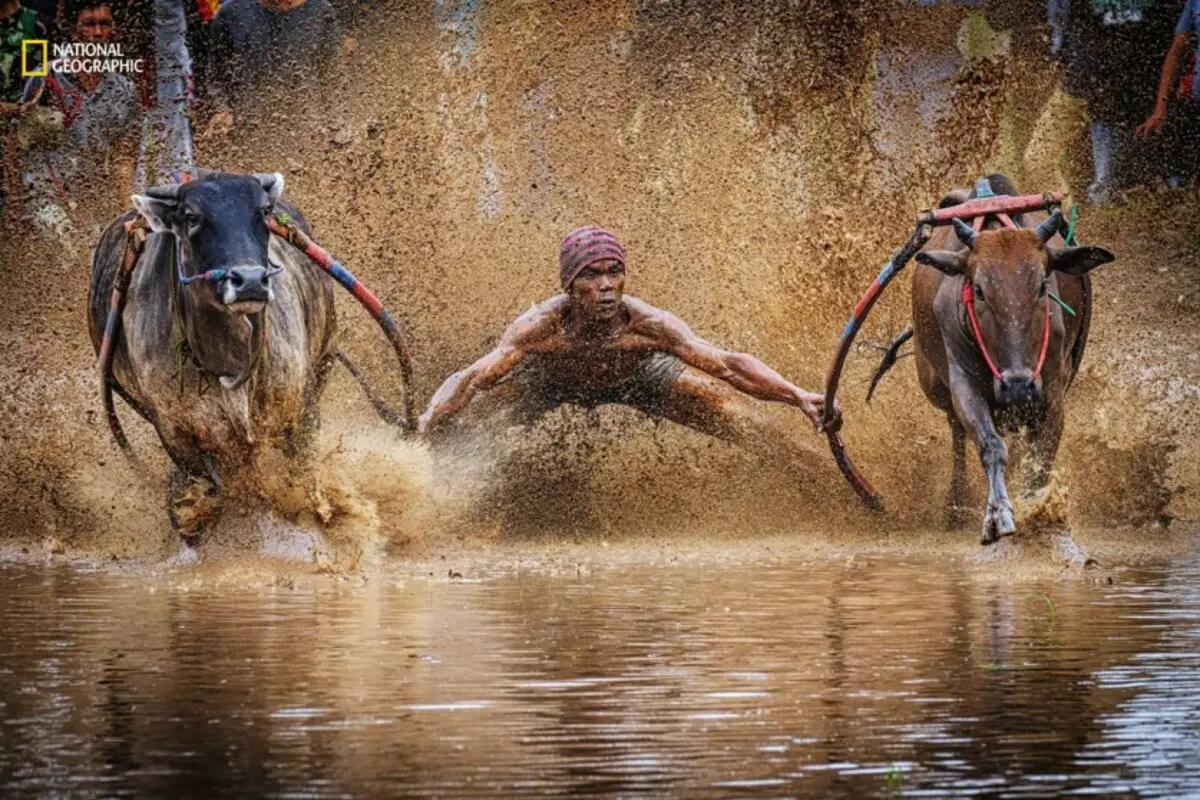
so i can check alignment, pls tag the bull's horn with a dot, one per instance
(272, 184)
(169, 191)
(1049, 227)
(966, 234)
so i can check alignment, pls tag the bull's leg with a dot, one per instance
(1043, 439)
(717, 409)
(192, 485)
(972, 410)
(956, 501)
(301, 440)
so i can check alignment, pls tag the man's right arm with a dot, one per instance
(459, 388)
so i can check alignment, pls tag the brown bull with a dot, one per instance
(1015, 371)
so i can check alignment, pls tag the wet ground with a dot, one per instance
(785, 678)
(620, 607)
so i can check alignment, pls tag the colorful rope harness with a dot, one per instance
(985, 204)
(968, 297)
(281, 224)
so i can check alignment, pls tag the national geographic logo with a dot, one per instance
(74, 57)
(39, 49)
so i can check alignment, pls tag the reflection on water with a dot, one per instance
(778, 680)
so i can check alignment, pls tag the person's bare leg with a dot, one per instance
(711, 406)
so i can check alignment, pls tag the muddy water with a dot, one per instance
(775, 680)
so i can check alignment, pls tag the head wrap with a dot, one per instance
(585, 246)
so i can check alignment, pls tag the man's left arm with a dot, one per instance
(742, 371)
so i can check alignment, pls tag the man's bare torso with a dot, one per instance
(591, 360)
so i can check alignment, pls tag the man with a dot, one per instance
(263, 51)
(593, 345)
(1186, 118)
(99, 111)
(1107, 47)
(18, 94)
(17, 23)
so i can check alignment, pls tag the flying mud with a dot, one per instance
(763, 160)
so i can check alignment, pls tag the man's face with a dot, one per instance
(95, 24)
(597, 290)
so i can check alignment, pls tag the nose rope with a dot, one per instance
(968, 296)
(213, 275)
(258, 326)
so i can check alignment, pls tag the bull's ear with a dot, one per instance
(272, 183)
(1077, 261)
(950, 262)
(157, 212)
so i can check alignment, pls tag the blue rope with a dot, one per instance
(214, 275)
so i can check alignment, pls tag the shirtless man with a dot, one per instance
(593, 345)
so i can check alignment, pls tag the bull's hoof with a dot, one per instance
(998, 522)
(191, 506)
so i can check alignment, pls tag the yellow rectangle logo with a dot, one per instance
(26, 46)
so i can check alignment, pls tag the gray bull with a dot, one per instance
(1012, 275)
(186, 358)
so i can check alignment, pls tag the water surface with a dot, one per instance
(913, 680)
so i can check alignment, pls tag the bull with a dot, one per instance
(227, 334)
(996, 349)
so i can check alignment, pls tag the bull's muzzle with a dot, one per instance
(1017, 388)
(247, 289)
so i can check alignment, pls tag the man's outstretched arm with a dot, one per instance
(453, 395)
(741, 371)
(459, 388)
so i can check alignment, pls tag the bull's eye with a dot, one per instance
(1043, 289)
(193, 220)
(979, 294)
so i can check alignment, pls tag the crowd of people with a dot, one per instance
(67, 135)
(1128, 78)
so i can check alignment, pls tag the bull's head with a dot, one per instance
(1011, 272)
(220, 222)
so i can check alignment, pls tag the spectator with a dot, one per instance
(291, 44)
(17, 94)
(1185, 115)
(1105, 45)
(98, 112)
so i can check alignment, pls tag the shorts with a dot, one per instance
(647, 387)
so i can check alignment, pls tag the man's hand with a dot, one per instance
(1154, 123)
(11, 110)
(813, 406)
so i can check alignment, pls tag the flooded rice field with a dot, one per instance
(605, 604)
(818, 679)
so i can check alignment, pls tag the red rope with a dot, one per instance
(968, 296)
(1045, 343)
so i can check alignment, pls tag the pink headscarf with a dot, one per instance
(585, 246)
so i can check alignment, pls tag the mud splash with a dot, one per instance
(755, 204)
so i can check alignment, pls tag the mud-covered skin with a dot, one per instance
(1015, 270)
(211, 432)
(590, 344)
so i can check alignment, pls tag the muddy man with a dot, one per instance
(593, 345)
